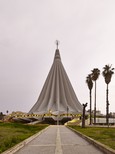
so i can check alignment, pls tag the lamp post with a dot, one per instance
(67, 111)
(58, 119)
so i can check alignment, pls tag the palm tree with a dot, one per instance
(90, 86)
(95, 74)
(107, 74)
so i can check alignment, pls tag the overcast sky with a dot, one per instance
(28, 30)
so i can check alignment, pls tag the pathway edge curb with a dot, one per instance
(97, 144)
(23, 143)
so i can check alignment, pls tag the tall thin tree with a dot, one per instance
(107, 74)
(90, 86)
(95, 75)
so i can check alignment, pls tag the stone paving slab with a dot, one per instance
(74, 144)
(59, 140)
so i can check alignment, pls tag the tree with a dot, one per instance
(1, 115)
(90, 86)
(83, 117)
(95, 74)
(107, 74)
(7, 111)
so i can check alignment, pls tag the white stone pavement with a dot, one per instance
(58, 139)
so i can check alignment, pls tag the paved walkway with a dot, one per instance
(58, 140)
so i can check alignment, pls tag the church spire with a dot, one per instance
(57, 43)
(57, 54)
(57, 95)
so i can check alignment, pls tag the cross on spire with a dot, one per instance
(57, 43)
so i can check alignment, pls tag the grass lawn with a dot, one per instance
(13, 133)
(101, 134)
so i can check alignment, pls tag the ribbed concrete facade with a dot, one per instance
(57, 95)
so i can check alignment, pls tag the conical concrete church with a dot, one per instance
(57, 95)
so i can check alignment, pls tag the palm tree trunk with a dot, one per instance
(95, 105)
(83, 118)
(90, 108)
(107, 106)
